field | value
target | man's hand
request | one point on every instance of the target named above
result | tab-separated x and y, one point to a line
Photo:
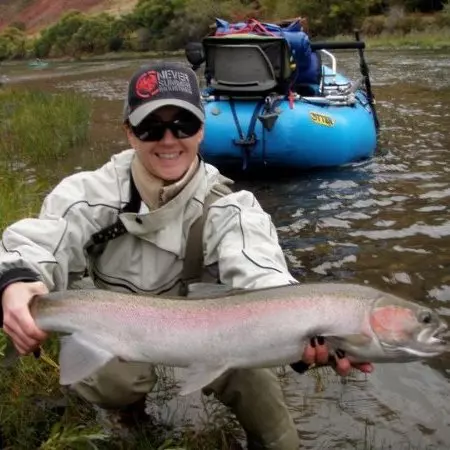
17	321
316	352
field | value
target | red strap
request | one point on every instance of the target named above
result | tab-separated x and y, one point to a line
256	24
252	26
291	99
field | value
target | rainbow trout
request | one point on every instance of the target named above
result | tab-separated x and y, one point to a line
239	329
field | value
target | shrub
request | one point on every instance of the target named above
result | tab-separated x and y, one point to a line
373	25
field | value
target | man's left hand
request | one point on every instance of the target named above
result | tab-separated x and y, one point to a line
316	353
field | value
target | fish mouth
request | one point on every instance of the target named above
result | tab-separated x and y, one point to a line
440	335
436	339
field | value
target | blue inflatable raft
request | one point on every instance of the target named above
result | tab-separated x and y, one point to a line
273	99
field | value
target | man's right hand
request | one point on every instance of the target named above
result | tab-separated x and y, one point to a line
17	321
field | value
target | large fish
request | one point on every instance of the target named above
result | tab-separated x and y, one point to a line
238	329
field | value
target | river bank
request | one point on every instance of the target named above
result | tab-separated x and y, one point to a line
438	39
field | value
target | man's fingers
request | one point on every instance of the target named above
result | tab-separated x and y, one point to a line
321	351
21	346
364	367
22	341
343	366
316	352
309	355
24	346
24	321
36	333
39	288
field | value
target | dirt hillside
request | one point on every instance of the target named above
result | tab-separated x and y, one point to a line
37	14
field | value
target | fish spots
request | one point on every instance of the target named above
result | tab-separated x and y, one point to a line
196	317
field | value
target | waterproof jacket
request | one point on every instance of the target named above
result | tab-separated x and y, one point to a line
239	239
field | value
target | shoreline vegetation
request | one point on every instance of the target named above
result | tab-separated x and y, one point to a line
29	391
435	40
29	121
163	26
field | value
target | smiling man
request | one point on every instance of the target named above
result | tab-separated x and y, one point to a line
131	225
164	118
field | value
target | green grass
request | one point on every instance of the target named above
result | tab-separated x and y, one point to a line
31	401
434	39
21	194
35	125
439	39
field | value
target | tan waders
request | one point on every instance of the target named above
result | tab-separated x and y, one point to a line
254	396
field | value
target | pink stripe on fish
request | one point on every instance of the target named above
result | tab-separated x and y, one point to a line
203	317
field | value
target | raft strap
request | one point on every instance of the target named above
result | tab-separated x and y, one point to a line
250	140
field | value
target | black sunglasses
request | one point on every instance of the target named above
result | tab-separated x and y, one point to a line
153	129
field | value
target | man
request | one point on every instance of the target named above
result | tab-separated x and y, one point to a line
128	223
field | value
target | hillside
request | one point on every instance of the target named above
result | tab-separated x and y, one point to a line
37	14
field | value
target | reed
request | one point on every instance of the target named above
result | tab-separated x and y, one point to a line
434	39
430	39
36	125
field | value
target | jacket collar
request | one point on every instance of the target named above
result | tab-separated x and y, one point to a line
167	226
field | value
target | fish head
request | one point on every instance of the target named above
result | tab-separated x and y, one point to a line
406	330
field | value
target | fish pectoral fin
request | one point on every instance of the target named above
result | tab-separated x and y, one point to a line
199	376
80	357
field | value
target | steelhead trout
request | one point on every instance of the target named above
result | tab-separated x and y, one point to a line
235	329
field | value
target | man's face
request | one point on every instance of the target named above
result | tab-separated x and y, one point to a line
170	157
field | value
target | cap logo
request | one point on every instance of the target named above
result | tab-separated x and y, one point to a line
153	82
147	84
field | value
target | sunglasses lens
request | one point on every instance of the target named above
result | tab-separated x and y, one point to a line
153	129
186	127
149	131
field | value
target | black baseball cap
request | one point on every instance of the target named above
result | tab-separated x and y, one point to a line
162	84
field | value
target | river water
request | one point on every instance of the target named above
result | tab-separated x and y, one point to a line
384	222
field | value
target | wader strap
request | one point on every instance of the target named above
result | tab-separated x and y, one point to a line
236	122
118	229
246	142
193	259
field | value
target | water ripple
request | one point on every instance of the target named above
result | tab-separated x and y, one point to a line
433	231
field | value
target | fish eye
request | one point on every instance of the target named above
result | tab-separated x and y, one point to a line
425	317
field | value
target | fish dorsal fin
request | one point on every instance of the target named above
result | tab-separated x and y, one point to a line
80	357
200	375
207	290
